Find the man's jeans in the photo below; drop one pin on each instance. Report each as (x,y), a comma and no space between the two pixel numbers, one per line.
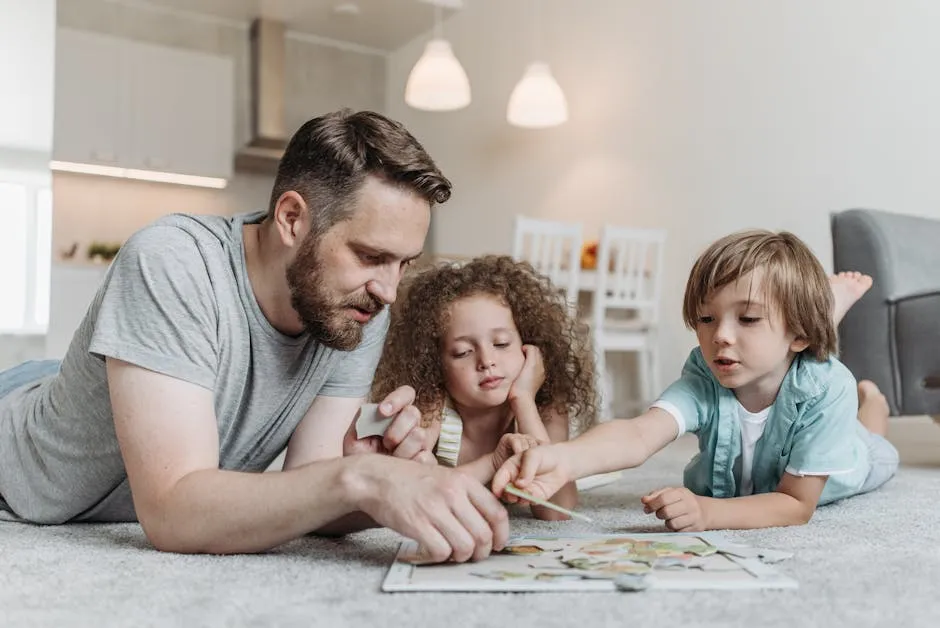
(27,372)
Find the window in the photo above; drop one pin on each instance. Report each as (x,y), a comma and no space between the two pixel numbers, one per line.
(25,251)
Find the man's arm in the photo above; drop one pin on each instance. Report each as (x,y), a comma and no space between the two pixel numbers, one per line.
(169,439)
(168,436)
(319,436)
(327,429)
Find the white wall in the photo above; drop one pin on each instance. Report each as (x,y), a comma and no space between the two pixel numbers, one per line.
(320,78)
(27,59)
(700,117)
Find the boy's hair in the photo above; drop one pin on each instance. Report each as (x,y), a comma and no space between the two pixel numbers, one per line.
(329,157)
(412,353)
(793,281)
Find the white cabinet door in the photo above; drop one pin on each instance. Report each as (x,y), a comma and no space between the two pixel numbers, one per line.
(134,105)
(182,115)
(89,113)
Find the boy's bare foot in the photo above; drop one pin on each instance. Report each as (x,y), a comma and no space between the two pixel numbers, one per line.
(873,408)
(847,288)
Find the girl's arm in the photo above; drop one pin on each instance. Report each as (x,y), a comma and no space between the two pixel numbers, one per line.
(556,430)
(481,468)
(529,421)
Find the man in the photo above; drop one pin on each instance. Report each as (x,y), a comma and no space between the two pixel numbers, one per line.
(214,342)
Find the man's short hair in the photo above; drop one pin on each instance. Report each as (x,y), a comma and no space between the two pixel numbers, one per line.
(329,157)
(794,282)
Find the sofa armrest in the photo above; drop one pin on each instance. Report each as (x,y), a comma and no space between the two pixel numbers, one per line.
(916,324)
(902,255)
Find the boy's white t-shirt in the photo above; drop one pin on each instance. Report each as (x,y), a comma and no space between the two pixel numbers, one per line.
(752,428)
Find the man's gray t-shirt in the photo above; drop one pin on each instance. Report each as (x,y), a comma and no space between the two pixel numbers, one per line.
(176,300)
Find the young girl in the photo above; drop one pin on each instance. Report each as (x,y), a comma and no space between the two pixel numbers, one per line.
(774,411)
(497,364)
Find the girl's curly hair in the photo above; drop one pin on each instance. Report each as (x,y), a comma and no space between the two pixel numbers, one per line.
(412,353)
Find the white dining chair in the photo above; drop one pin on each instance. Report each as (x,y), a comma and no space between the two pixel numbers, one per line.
(554,249)
(625,306)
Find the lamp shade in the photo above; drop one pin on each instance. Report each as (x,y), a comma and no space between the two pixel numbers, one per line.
(438,81)
(537,101)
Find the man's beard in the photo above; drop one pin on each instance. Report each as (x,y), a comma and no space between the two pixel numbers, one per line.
(323,316)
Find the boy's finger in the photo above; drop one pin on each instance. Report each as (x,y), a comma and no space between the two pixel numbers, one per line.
(502,477)
(528,469)
(651,496)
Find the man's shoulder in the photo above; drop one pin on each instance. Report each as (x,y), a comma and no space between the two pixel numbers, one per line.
(188,226)
(181,235)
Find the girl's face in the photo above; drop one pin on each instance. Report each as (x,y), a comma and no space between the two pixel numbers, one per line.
(481,352)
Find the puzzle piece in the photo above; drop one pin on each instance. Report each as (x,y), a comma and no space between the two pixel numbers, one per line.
(370,423)
(768,556)
(631,582)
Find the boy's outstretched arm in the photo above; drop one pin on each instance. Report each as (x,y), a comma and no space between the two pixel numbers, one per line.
(567,496)
(613,445)
(793,503)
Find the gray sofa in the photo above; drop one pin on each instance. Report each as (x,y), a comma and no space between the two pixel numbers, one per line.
(892,335)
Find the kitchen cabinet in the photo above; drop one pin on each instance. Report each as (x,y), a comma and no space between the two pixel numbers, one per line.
(137,105)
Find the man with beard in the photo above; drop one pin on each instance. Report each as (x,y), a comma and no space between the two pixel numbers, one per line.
(214,343)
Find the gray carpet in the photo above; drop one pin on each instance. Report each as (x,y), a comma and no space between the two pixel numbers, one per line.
(873,560)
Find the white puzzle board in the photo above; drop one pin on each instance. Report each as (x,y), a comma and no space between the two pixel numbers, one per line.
(592,563)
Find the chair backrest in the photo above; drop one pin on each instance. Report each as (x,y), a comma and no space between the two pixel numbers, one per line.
(554,249)
(629,272)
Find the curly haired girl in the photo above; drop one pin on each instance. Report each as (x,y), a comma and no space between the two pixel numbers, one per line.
(497,363)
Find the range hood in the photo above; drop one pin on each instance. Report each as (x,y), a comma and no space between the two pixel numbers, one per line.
(269,135)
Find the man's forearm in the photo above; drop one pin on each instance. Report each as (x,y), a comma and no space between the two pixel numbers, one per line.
(347,524)
(223,512)
(766,510)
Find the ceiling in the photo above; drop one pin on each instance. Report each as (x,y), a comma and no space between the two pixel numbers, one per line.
(381,24)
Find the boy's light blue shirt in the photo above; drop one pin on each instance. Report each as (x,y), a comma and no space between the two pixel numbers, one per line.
(812,429)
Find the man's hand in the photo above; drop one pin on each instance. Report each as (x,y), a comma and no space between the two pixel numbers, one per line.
(531,377)
(450,515)
(680,508)
(404,438)
(510,445)
(541,471)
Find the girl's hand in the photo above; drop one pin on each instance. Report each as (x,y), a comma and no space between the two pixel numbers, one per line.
(510,445)
(680,508)
(532,375)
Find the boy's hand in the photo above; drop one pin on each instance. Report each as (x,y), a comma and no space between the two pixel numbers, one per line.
(680,508)
(541,471)
(532,375)
(510,445)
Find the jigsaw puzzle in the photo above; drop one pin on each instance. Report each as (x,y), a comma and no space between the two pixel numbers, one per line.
(598,563)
